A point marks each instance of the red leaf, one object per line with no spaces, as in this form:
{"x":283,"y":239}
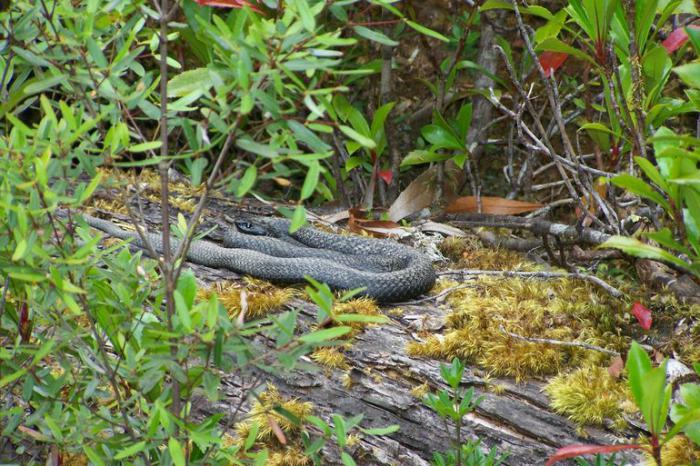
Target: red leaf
{"x":552,"y":61}
{"x":572,"y":451}
{"x":676,"y":39}
{"x":228,"y":4}
{"x":386,"y":175}
{"x":642,"y":314}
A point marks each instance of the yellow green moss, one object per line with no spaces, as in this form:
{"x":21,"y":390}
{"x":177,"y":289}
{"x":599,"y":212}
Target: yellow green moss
{"x":330,"y":357}
{"x":556,"y":309}
{"x":679,"y":451}
{"x":468,"y":253}
{"x":261,"y":297}
{"x":264,"y":414}
{"x":588,"y":395}
{"x":419,"y":391}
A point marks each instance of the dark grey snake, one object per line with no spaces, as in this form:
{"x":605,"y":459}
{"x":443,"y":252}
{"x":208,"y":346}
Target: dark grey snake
{"x":263,"y":247}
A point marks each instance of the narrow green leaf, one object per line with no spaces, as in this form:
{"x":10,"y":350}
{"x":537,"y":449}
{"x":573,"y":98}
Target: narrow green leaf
{"x":357,"y":137}
{"x":375,"y":36}
{"x":636,"y":248}
{"x":93,"y":456}
{"x":326,"y":334}
{"x":130,"y":450}
{"x":427,"y":31}
{"x":20,"y":250}
{"x":247,"y":181}
{"x":145,"y":146}
{"x":310,"y":181}
{"x":176,"y":452}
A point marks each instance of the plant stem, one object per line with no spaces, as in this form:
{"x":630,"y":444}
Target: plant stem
{"x":163,"y":167}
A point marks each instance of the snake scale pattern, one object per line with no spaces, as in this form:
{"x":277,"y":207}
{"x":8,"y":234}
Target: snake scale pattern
{"x":262,"y":247}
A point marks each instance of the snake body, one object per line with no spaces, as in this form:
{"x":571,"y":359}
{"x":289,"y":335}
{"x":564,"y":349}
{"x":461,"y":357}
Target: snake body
{"x":264,"y":248}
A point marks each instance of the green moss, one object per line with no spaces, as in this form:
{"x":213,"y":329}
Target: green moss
{"x":588,"y":395}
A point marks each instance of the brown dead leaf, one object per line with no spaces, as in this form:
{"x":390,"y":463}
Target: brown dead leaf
{"x":358,"y":223}
{"x":277,"y":430}
{"x":418,"y":195}
{"x":36,"y":435}
{"x":491,"y":205}
{"x":616,"y":366}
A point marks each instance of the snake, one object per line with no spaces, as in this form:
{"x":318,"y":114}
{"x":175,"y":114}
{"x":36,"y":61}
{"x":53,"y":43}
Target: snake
{"x":263,"y":247}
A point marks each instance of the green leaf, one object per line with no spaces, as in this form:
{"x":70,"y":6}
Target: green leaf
{"x":636,"y":248}
{"x":640,"y":188}
{"x":298,"y":218}
{"x":382,"y":430}
{"x":93,"y":456}
{"x":320,"y":336}
{"x":310,"y":181}
{"x":652,"y":173}
{"x":340,"y":430}
{"x":347,"y":459}
{"x":689,"y":74}
{"x":130,"y":450}
{"x":44,"y":84}
{"x":374,"y":36}
{"x":552,"y":44}
{"x":176,"y":452}
{"x":426,"y":31}
{"x":379,"y":118}
{"x":20,"y":250}
{"x":145,"y":146}
{"x":418,"y":157}
{"x":357,"y":137}
{"x":247,"y":181}
{"x":90,"y":188}
{"x":307,"y":17}
{"x":256,"y":148}
{"x":638,"y":366}
{"x":441,"y":138}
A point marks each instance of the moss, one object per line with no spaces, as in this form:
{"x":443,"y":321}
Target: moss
{"x":468,"y":253}
{"x":679,"y":451}
{"x":560,"y":309}
{"x":261,"y":297}
{"x":588,"y":395}
{"x":360,"y":306}
{"x":265,"y":413}
{"x":419,"y":391}
{"x":330,"y":357}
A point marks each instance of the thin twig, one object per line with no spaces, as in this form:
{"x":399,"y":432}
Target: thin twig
{"x":547,"y":341}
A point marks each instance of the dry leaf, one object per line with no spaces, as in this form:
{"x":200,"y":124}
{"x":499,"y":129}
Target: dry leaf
{"x":441,"y":228}
{"x":491,"y":205}
{"x":417,"y":196}
{"x":336,"y":217}
{"x":357,"y":223}
{"x":277,"y":430}
{"x":616,"y":367}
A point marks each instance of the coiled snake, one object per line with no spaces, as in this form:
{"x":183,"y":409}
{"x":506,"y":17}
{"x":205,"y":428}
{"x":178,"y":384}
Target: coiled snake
{"x":263,"y":247}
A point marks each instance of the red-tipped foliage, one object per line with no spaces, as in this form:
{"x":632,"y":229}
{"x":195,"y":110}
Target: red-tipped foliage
{"x":572,"y":451}
{"x":552,"y":61}
{"x":643,"y":315}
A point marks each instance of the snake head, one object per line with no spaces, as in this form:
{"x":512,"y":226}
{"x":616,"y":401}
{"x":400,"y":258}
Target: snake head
{"x":249,"y":226}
